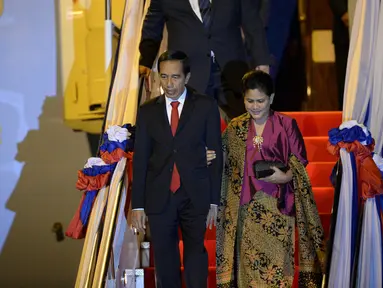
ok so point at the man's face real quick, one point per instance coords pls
(172, 78)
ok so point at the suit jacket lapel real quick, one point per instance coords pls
(191, 8)
(213, 8)
(163, 117)
(187, 110)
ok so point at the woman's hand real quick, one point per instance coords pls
(210, 156)
(279, 177)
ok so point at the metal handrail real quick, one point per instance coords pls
(90, 257)
(98, 251)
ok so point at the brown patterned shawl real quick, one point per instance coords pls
(311, 235)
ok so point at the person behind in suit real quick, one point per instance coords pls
(258, 215)
(210, 33)
(341, 41)
(172, 183)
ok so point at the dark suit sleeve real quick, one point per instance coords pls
(152, 31)
(265, 12)
(254, 31)
(142, 149)
(214, 142)
(338, 7)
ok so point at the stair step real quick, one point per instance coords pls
(211, 282)
(326, 223)
(317, 149)
(324, 198)
(149, 280)
(316, 123)
(319, 173)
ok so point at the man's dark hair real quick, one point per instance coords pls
(175, 55)
(258, 80)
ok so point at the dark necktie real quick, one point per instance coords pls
(174, 118)
(205, 9)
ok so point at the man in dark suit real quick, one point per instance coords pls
(172, 183)
(209, 32)
(341, 40)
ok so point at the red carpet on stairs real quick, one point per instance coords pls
(314, 127)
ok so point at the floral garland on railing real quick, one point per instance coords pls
(360, 192)
(355, 138)
(117, 142)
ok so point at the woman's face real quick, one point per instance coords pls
(258, 104)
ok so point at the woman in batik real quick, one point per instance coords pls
(257, 217)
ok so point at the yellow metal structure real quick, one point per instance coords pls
(83, 79)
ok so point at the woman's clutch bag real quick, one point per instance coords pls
(263, 169)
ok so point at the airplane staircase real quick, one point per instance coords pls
(111, 250)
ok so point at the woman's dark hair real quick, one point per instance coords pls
(258, 80)
(175, 55)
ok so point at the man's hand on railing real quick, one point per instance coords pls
(144, 71)
(139, 220)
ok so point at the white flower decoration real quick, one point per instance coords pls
(94, 161)
(117, 133)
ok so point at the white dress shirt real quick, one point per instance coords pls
(169, 108)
